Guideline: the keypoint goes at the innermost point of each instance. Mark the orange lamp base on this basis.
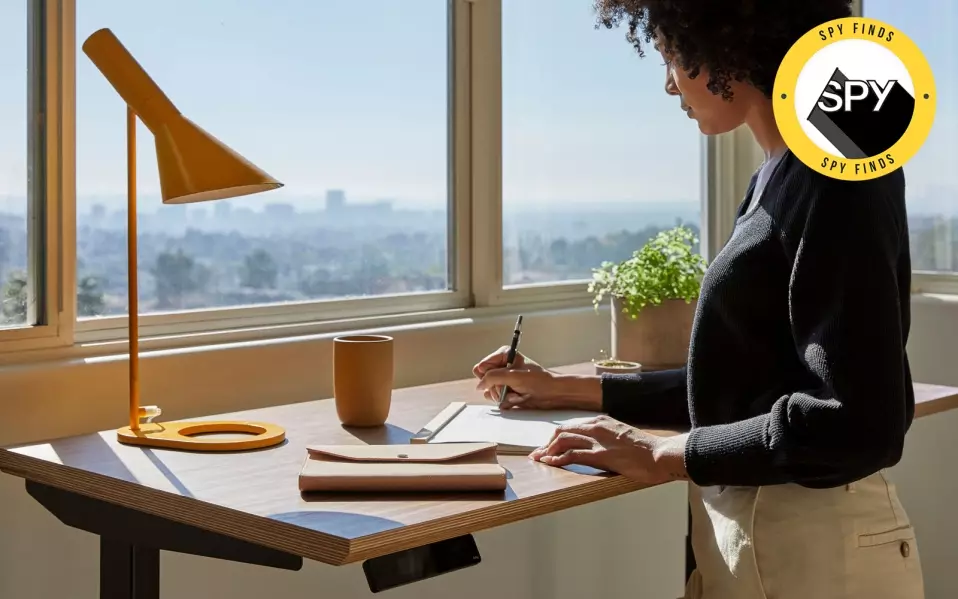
(191, 436)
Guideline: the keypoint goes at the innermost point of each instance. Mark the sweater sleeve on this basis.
(849, 332)
(648, 399)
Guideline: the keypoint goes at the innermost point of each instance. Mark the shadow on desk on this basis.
(388, 434)
(352, 515)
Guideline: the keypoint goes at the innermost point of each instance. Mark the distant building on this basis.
(280, 211)
(12, 221)
(198, 215)
(380, 208)
(341, 212)
(172, 214)
(335, 200)
(221, 210)
(943, 244)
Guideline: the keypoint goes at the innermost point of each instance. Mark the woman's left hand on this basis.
(608, 444)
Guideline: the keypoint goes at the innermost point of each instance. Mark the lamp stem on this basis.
(132, 269)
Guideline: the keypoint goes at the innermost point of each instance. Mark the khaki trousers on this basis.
(791, 542)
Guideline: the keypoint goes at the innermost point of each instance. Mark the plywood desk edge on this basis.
(311, 544)
(492, 516)
(934, 399)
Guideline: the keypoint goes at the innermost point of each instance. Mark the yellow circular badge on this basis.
(854, 98)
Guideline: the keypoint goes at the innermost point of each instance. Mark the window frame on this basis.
(50, 311)
(107, 328)
(474, 219)
(489, 289)
(488, 281)
(923, 282)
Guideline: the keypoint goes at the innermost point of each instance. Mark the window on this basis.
(596, 157)
(400, 199)
(14, 162)
(349, 112)
(931, 177)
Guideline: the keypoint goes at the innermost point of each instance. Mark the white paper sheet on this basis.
(519, 430)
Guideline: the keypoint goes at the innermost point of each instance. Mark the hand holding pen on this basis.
(513, 380)
(511, 357)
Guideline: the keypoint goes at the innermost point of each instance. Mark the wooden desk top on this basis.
(254, 495)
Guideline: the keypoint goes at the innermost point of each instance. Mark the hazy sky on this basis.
(324, 95)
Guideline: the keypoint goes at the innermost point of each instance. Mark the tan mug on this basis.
(363, 379)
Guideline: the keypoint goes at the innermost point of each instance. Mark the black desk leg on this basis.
(131, 541)
(127, 571)
(689, 554)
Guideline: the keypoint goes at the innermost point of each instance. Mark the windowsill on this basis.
(112, 350)
(926, 297)
(308, 332)
(68, 395)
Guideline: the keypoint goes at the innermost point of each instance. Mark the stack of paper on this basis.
(515, 431)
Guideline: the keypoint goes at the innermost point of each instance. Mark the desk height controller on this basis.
(419, 563)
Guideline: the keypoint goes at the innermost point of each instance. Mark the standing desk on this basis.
(246, 506)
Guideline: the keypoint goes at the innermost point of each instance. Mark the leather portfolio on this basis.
(419, 467)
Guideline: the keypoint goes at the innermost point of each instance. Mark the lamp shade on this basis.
(194, 166)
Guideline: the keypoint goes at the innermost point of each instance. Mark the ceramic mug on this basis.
(363, 379)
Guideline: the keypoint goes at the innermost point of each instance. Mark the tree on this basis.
(176, 275)
(4, 250)
(559, 252)
(14, 299)
(259, 270)
(372, 276)
(89, 297)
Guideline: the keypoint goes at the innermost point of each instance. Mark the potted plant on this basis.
(653, 296)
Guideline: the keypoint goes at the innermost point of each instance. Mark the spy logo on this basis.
(854, 99)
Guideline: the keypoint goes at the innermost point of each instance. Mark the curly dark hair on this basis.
(735, 40)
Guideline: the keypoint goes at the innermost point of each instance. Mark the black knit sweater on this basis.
(797, 370)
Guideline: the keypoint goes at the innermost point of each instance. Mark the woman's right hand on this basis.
(533, 387)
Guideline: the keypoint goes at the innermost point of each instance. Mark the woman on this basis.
(797, 391)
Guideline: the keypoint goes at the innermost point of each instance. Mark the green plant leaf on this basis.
(665, 268)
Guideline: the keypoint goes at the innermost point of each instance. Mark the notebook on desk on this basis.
(515, 432)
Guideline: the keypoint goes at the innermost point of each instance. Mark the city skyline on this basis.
(940, 202)
(150, 203)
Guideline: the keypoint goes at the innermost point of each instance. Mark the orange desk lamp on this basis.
(193, 166)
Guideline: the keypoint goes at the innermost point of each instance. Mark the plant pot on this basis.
(657, 338)
(616, 367)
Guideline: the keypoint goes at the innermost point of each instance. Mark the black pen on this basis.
(512, 355)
